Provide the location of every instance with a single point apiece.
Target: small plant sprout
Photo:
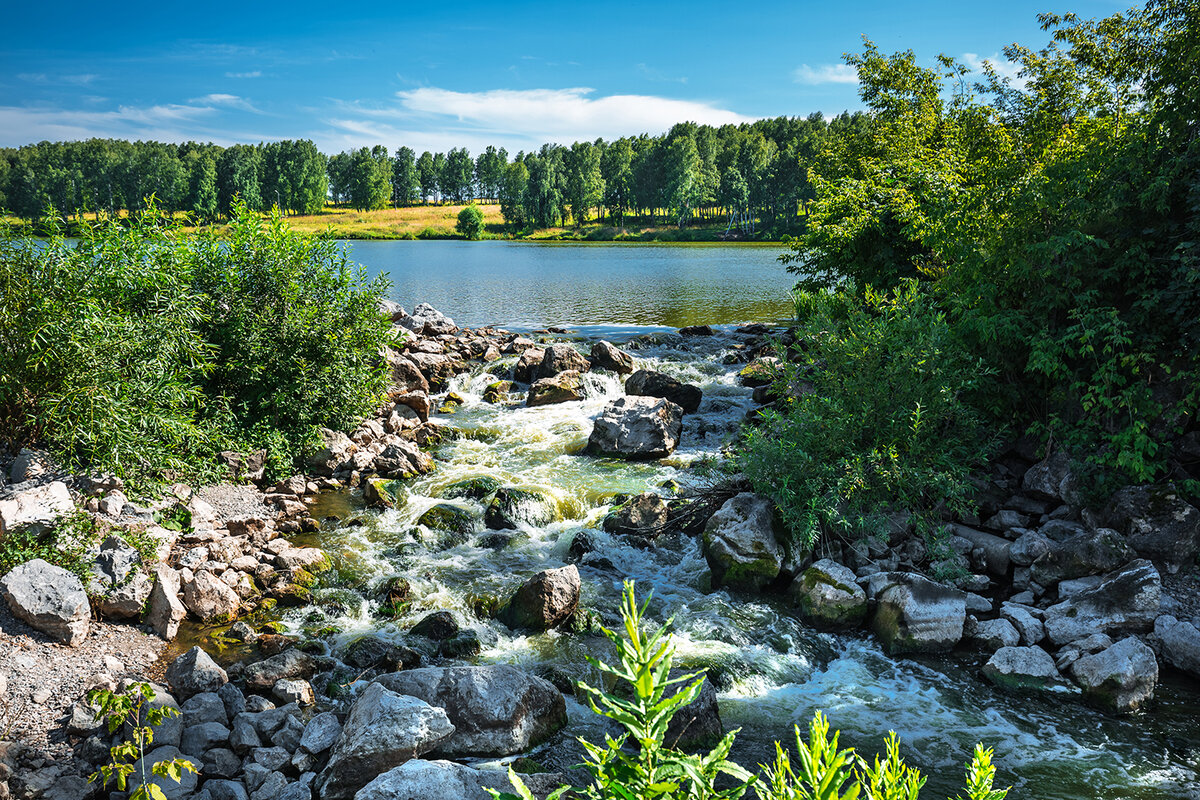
(115, 709)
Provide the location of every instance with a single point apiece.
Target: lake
(591, 287)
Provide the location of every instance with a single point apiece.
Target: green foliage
(981, 776)
(874, 416)
(470, 222)
(115, 709)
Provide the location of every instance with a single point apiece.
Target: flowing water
(771, 671)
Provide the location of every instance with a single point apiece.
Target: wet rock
(496, 710)
(210, 598)
(384, 729)
(497, 392)
(371, 652)
(194, 672)
(637, 428)
(827, 596)
(402, 459)
(437, 625)
(288, 665)
(697, 330)
(464, 644)
(562, 387)
(336, 449)
(1179, 644)
(382, 492)
(480, 489)
(1121, 678)
(609, 357)
(760, 372)
(561, 358)
(1127, 601)
(915, 615)
(513, 508)
(1087, 553)
(48, 598)
(698, 724)
(641, 515)
(1023, 669)
(741, 543)
(1157, 523)
(647, 383)
(449, 518)
(545, 601)
(991, 634)
(526, 368)
(34, 509)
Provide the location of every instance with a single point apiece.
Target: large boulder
(1126, 601)
(562, 387)
(384, 729)
(119, 586)
(637, 428)
(528, 364)
(1051, 479)
(166, 609)
(608, 356)
(496, 710)
(437, 368)
(195, 672)
(210, 598)
(545, 601)
(431, 322)
(1119, 678)
(1179, 644)
(335, 450)
(643, 514)
(561, 358)
(405, 376)
(512, 508)
(916, 615)
(34, 509)
(1158, 524)
(1023, 669)
(435, 780)
(741, 543)
(48, 598)
(402, 459)
(828, 597)
(648, 383)
(289, 665)
(1087, 553)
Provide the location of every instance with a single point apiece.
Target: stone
(336, 449)
(1126, 601)
(1051, 479)
(828, 597)
(205, 707)
(434, 780)
(166, 609)
(916, 615)
(171, 789)
(741, 543)
(497, 392)
(288, 734)
(648, 383)
(1028, 547)
(496, 710)
(372, 652)
(119, 586)
(417, 402)
(437, 625)
(197, 739)
(321, 732)
(48, 598)
(562, 387)
(289, 665)
(224, 789)
(637, 428)
(1087, 553)
(513, 508)
(294, 691)
(527, 366)
(1023, 669)
(243, 737)
(1158, 524)
(698, 724)
(643, 514)
(697, 330)
(762, 371)
(431, 321)
(991, 634)
(34, 508)
(402, 459)
(194, 672)
(561, 358)
(996, 549)
(1179, 644)
(383, 730)
(405, 375)
(545, 601)
(1120, 678)
(607, 356)
(1029, 627)
(244, 466)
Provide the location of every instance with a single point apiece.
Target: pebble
(40, 696)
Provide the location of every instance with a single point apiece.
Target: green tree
(427, 176)
(512, 194)
(406, 184)
(470, 222)
(584, 181)
(203, 191)
(238, 172)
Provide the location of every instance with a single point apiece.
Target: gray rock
(204, 707)
(428, 321)
(1074, 586)
(289, 734)
(294, 691)
(171, 789)
(1051, 479)
(383, 730)
(243, 737)
(210, 598)
(496, 710)
(914, 614)
(434, 780)
(289, 665)
(1120, 678)
(563, 387)
(643, 514)
(608, 356)
(545, 601)
(647, 383)
(269, 758)
(205, 736)
(118, 585)
(559, 358)
(48, 598)
(320, 733)
(1087, 553)
(1127, 601)
(336, 449)
(1179, 643)
(221, 762)
(271, 787)
(1158, 524)
(1030, 628)
(233, 700)
(995, 548)
(195, 672)
(34, 508)
(226, 790)
(827, 596)
(696, 725)
(166, 609)
(1028, 547)
(991, 634)
(1023, 669)
(741, 543)
(637, 428)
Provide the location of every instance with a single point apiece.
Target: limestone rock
(1127, 601)
(562, 387)
(637, 428)
(1086, 553)
(50, 599)
(210, 598)
(561, 358)
(647, 383)
(195, 672)
(545, 601)
(1179, 643)
(608, 356)
(741, 543)
(435, 780)
(914, 614)
(1120, 678)
(1023, 669)
(1158, 524)
(166, 609)
(34, 508)
(828, 596)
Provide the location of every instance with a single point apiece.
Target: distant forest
(757, 171)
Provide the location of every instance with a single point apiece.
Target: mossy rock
(384, 493)
(481, 489)
(453, 398)
(513, 507)
(497, 392)
(759, 372)
(448, 518)
(499, 540)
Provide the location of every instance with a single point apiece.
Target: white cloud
(1004, 68)
(255, 74)
(71, 80)
(21, 125)
(825, 73)
(226, 100)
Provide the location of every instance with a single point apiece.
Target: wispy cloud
(652, 74)
(43, 78)
(255, 74)
(225, 100)
(825, 73)
(171, 122)
(1004, 68)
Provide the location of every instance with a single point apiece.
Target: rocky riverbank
(1061, 598)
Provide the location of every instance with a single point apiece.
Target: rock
(915, 615)
(431, 321)
(562, 387)
(119, 586)
(437, 625)
(828, 596)
(48, 598)
(299, 692)
(371, 652)
(321, 732)
(166, 609)
(647, 383)
(405, 376)
(637, 428)
(1051, 479)
(243, 736)
(1087, 553)
(607, 356)
(434, 780)
(1179, 644)
(384, 729)
(513, 508)
(170, 789)
(1073, 587)
(1029, 627)
(289, 665)
(760, 372)
(991, 634)
(1157, 523)
(205, 707)
(210, 598)
(480, 489)
(545, 601)
(527, 366)
(496, 710)
(497, 392)
(244, 466)
(996, 549)
(1023, 669)
(223, 789)
(194, 672)
(34, 509)
(382, 492)
(30, 464)
(1120, 678)
(1028, 547)
(697, 330)
(561, 358)
(450, 519)
(402, 459)
(698, 724)
(197, 739)
(643, 514)
(1127, 601)
(741, 543)
(417, 402)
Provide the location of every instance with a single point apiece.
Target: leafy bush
(874, 416)
(470, 222)
(143, 351)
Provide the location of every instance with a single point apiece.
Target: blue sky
(435, 76)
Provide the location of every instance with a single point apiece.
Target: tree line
(693, 172)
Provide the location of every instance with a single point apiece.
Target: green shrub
(874, 416)
(470, 222)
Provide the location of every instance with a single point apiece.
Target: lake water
(591, 287)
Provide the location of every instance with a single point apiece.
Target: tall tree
(585, 183)
(406, 184)
(427, 175)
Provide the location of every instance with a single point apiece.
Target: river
(771, 671)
